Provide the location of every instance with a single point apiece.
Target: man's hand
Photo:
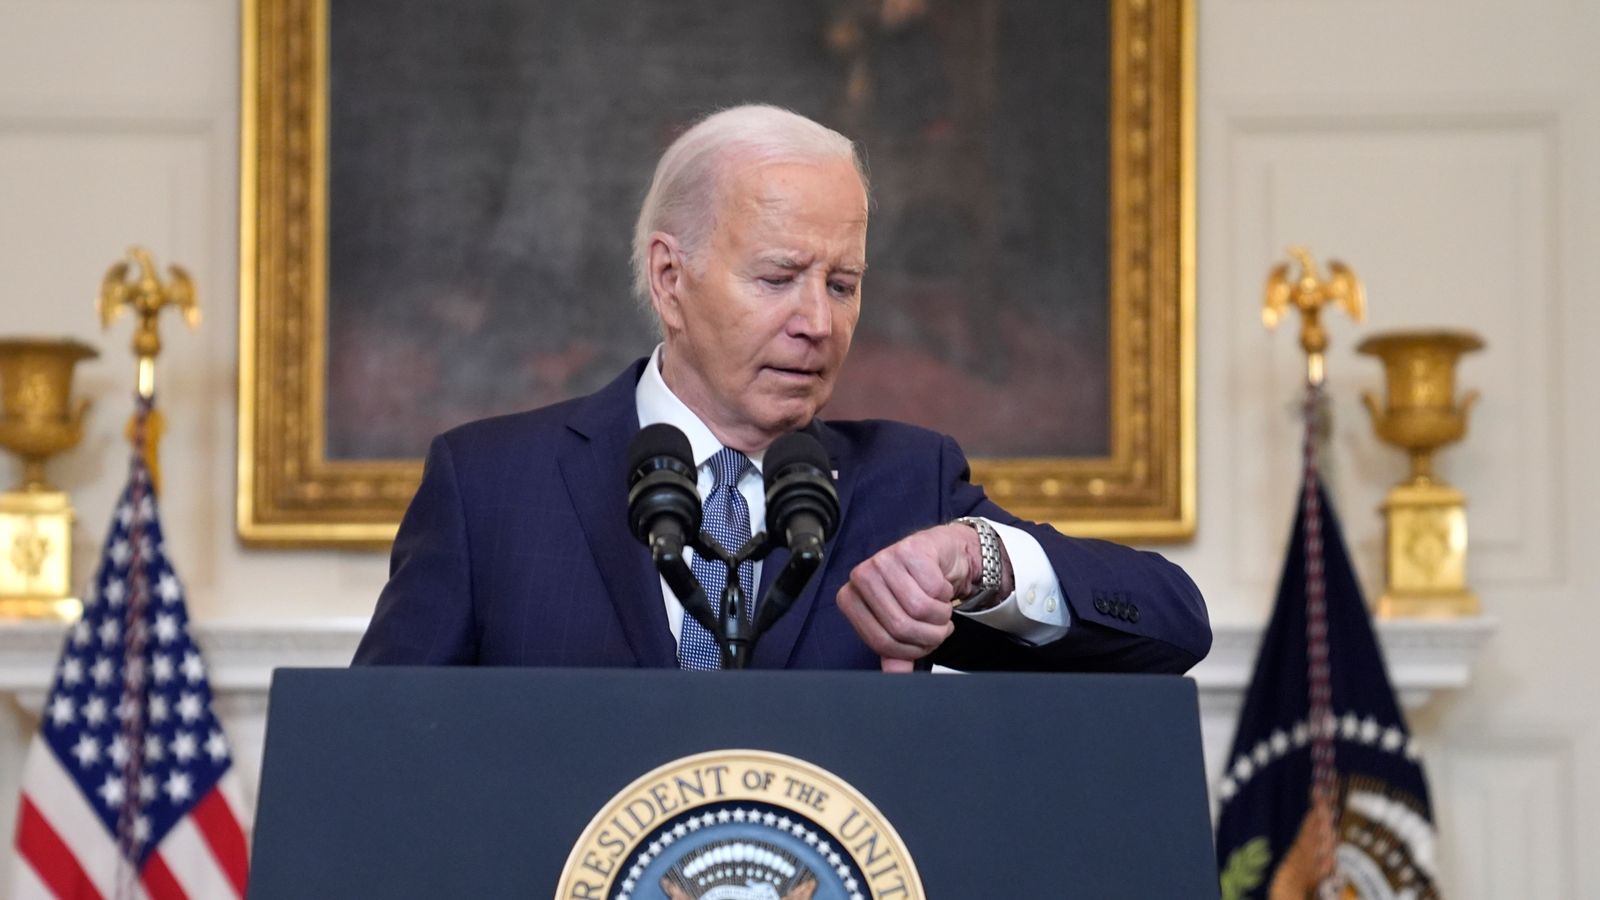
(899, 599)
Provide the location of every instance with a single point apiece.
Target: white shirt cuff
(1036, 612)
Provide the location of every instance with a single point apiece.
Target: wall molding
(1246, 134)
(1511, 795)
(1424, 656)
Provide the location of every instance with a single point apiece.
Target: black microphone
(802, 505)
(802, 512)
(664, 511)
(663, 500)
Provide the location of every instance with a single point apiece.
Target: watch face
(986, 599)
(978, 602)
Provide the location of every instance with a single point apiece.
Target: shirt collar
(658, 404)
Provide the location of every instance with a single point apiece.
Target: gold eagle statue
(145, 294)
(1309, 293)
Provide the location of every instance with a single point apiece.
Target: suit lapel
(594, 472)
(776, 647)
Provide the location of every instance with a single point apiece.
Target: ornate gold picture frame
(292, 493)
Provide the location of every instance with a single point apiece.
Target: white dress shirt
(1035, 611)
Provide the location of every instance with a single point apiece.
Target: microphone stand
(735, 631)
(674, 568)
(781, 594)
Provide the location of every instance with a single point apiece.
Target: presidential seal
(739, 825)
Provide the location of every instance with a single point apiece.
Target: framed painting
(437, 199)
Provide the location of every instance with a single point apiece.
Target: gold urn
(1425, 544)
(38, 419)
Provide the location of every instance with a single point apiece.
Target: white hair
(683, 196)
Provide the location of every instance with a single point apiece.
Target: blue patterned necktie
(726, 517)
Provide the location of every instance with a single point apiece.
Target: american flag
(127, 790)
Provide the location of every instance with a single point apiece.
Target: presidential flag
(1323, 793)
(128, 789)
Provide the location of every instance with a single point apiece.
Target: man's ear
(666, 271)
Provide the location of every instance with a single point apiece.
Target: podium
(669, 785)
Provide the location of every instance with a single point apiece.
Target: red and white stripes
(66, 851)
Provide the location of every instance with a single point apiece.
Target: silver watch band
(986, 592)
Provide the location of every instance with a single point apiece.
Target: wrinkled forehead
(820, 207)
(784, 183)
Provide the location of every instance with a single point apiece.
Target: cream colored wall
(1445, 149)
(118, 125)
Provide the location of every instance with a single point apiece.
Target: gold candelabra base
(1425, 553)
(36, 556)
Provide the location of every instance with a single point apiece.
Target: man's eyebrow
(791, 263)
(783, 261)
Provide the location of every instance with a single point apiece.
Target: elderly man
(751, 251)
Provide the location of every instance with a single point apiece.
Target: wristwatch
(986, 592)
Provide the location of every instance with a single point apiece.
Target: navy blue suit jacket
(516, 551)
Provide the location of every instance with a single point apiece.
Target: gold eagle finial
(143, 292)
(1309, 293)
(146, 295)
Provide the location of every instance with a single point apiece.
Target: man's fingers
(864, 617)
(898, 601)
(931, 579)
(898, 606)
(900, 576)
(890, 664)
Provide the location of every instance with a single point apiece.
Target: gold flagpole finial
(1309, 293)
(147, 296)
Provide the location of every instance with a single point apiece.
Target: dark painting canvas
(487, 159)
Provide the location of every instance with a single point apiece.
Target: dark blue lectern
(669, 785)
